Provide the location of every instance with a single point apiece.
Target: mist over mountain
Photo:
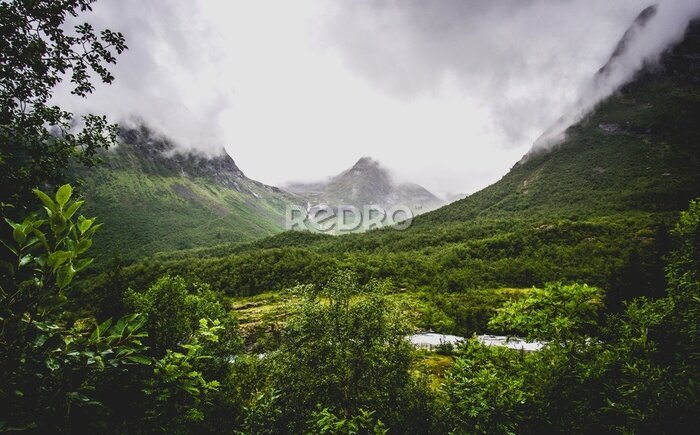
(156, 197)
(636, 151)
(476, 81)
(366, 183)
(638, 50)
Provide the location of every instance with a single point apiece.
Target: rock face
(366, 183)
(158, 155)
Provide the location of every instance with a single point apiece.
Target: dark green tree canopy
(38, 50)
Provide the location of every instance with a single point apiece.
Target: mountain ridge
(595, 209)
(367, 182)
(154, 197)
(637, 150)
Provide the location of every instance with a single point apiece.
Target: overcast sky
(448, 94)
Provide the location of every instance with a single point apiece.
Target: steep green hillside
(594, 209)
(152, 200)
(638, 151)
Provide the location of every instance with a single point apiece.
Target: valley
(148, 285)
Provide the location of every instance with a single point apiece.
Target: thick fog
(448, 94)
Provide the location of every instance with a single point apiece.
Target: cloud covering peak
(448, 94)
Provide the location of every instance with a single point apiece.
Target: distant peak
(365, 162)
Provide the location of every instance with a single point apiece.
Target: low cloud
(526, 62)
(165, 78)
(448, 94)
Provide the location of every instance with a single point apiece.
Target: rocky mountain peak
(366, 182)
(156, 154)
(366, 163)
(623, 45)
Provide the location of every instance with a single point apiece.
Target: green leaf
(12, 224)
(63, 195)
(58, 223)
(82, 264)
(120, 326)
(42, 238)
(25, 260)
(48, 202)
(31, 242)
(101, 328)
(64, 276)
(19, 235)
(136, 322)
(70, 211)
(85, 225)
(83, 246)
(58, 258)
(91, 231)
(139, 359)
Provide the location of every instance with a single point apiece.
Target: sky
(448, 94)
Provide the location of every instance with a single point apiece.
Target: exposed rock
(366, 183)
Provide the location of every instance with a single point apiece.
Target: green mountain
(153, 198)
(638, 151)
(595, 208)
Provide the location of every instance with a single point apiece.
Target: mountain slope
(595, 209)
(366, 183)
(153, 199)
(639, 150)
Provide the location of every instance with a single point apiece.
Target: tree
(47, 365)
(175, 307)
(345, 350)
(180, 391)
(557, 312)
(487, 390)
(635, 373)
(38, 140)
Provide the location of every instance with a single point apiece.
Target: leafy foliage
(175, 310)
(637, 373)
(347, 353)
(325, 422)
(486, 389)
(47, 364)
(556, 312)
(178, 387)
(37, 139)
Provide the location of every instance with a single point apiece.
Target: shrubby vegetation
(620, 254)
(636, 374)
(49, 364)
(175, 361)
(345, 351)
